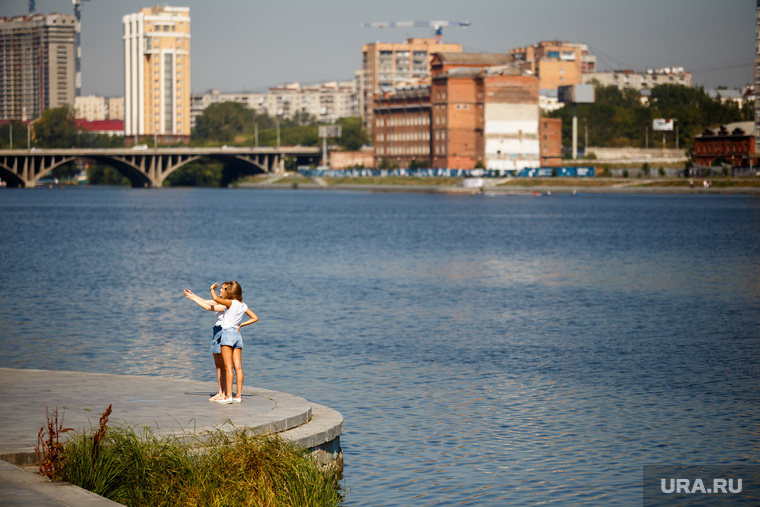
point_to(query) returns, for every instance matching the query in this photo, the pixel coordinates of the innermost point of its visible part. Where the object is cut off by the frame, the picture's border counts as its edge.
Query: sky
(251, 45)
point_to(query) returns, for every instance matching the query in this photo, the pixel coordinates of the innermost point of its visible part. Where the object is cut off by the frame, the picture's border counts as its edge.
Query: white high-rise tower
(157, 74)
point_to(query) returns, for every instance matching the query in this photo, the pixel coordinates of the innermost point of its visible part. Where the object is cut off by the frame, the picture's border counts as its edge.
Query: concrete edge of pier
(165, 405)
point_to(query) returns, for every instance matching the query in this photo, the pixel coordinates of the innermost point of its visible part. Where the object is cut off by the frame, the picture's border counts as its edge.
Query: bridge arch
(146, 167)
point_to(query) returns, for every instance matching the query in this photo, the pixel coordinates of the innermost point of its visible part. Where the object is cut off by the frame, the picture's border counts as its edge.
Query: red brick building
(402, 127)
(479, 110)
(550, 132)
(734, 142)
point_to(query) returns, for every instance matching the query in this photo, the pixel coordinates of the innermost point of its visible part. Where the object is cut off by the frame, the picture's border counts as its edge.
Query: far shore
(510, 186)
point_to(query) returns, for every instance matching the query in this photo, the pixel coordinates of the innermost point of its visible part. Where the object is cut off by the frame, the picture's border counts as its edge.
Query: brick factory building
(479, 111)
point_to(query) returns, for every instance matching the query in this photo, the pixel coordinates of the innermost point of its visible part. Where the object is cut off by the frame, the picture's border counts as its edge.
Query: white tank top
(234, 314)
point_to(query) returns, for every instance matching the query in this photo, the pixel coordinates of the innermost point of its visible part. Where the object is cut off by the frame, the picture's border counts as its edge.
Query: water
(506, 350)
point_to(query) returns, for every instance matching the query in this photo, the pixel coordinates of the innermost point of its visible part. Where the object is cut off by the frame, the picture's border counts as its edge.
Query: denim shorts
(231, 337)
(216, 341)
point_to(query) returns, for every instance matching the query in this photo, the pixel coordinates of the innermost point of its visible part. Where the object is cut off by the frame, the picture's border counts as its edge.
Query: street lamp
(29, 133)
(585, 144)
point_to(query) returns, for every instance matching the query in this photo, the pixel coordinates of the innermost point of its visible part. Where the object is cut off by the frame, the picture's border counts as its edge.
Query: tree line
(618, 118)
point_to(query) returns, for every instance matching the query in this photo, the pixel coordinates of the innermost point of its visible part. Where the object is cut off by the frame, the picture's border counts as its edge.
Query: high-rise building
(157, 74)
(387, 65)
(556, 63)
(36, 64)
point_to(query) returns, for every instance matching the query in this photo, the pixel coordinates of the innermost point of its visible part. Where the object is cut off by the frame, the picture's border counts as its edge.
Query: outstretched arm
(206, 304)
(253, 318)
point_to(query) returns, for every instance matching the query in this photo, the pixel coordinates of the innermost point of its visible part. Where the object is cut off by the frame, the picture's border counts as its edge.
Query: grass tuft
(223, 469)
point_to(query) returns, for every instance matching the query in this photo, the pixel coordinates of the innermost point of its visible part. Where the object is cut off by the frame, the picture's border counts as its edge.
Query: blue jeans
(231, 337)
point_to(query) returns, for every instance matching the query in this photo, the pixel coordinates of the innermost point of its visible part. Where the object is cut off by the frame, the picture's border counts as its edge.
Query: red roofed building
(108, 127)
(734, 143)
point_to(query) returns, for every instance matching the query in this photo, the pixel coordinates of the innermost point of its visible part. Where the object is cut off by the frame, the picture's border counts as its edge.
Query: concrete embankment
(167, 406)
(491, 188)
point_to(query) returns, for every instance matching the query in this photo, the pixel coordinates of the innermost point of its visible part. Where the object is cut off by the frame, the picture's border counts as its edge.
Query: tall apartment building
(386, 66)
(556, 63)
(97, 108)
(36, 64)
(157, 73)
(624, 79)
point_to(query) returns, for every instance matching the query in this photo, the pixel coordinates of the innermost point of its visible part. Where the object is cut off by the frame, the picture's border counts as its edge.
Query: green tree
(223, 122)
(353, 136)
(618, 118)
(56, 128)
(15, 130)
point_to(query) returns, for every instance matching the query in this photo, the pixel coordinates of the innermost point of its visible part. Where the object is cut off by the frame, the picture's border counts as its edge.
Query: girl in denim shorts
(216, 337)
(231, 340)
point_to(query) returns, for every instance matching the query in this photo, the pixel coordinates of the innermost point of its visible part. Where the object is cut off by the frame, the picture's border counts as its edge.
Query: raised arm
(253, 318)
(226, 302)
(203, 303)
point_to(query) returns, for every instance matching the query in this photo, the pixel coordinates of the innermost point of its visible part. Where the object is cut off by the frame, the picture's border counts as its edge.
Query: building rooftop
(482, 59)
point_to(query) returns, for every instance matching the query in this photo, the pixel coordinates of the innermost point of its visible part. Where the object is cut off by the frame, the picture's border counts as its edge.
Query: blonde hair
(234, 291)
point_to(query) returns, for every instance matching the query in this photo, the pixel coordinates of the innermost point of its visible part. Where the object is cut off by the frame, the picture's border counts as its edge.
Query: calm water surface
(483, 350)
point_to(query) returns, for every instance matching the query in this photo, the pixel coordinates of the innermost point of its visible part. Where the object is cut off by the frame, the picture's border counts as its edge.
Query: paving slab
(165, 405)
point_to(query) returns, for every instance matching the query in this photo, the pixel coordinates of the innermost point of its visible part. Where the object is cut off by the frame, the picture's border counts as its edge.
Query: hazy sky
(250, 45)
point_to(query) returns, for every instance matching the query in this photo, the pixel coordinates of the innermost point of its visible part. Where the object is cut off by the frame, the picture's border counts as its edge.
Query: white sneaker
(237, 400)
(224, 401)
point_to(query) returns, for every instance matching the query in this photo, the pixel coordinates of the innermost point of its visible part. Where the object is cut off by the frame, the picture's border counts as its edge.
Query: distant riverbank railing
(535, 172)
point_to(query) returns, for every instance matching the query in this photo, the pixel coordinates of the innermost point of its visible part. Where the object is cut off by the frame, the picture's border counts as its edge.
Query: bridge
(147, 167)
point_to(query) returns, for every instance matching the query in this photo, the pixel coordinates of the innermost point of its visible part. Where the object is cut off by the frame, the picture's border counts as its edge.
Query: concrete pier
(166, 405)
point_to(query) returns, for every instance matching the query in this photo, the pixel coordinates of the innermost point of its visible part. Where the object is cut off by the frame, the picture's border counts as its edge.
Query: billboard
(662, 124)
(329, 131)
(578, 94)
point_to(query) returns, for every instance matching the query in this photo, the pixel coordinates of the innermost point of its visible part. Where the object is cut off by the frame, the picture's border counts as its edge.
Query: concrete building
(96, 108)
(326, 102)
(386, 66)
(480, 110)
(625, 79)
(37, 68)
(157, 74)
(734, 143)
(555, 63)
(114, 108)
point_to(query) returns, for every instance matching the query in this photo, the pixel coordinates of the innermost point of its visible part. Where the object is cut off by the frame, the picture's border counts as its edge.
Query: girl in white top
(232, 340)
(216, 336)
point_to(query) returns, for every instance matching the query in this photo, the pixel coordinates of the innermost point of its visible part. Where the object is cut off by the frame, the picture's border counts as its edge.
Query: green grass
(224, 469)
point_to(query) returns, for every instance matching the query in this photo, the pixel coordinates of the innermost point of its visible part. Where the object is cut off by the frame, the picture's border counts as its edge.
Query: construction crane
(78, 48)
(436, 25)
